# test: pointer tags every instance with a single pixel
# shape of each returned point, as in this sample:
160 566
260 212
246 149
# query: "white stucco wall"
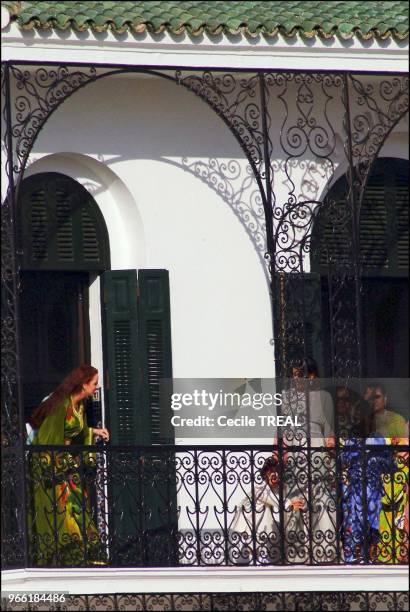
132 136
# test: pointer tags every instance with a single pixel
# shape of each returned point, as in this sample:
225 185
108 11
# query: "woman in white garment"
310 535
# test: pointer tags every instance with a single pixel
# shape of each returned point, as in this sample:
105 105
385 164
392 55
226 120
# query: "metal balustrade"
216 505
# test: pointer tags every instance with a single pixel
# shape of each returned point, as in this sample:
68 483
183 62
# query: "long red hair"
71 385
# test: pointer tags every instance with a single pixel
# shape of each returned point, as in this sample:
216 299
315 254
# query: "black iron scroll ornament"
278 119
13 483
27 102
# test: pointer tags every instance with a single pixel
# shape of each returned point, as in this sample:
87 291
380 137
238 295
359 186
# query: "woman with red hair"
61 524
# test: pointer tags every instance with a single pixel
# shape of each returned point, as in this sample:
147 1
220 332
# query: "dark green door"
142 488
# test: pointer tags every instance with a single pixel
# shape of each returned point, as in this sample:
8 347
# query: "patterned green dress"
394 523
62 531
394 529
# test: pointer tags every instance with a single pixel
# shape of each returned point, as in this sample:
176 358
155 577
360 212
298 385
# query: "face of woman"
379 400
91 386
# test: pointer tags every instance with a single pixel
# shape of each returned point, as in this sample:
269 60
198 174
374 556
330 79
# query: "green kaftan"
61 528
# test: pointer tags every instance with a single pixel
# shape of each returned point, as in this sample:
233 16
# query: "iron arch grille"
368 114
322 259
61 225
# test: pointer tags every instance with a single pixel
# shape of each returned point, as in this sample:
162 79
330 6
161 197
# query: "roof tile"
308 18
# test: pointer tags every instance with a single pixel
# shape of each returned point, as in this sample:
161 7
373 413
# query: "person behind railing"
60 521
393 543
311 472
388 423
266 519
352 413
361 479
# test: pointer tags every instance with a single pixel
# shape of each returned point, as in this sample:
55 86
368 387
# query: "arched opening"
383 257
64 245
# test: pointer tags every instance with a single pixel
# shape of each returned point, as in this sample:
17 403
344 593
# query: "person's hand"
297 504
102 433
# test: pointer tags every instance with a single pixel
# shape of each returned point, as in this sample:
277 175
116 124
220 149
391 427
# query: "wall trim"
228 52
208 579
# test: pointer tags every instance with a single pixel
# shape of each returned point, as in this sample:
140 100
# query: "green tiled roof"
326 19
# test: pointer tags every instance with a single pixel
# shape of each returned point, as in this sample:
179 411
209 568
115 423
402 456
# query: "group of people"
340 491
375 477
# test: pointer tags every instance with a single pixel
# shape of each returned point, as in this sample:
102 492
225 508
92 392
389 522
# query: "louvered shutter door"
159 489
119 290
373 226
138 354
155 342
384 231
402 221
121 356
36 249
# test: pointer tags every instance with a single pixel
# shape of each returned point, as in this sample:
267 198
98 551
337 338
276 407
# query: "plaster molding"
208 579
233 52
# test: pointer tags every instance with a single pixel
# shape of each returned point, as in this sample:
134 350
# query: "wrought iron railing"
216 505
297 126
220 602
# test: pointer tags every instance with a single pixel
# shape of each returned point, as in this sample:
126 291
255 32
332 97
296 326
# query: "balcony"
180 506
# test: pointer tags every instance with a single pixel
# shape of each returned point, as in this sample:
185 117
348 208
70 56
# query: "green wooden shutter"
138 354
122 356
155 343
61 224
159 482
384 232
402 223
375 226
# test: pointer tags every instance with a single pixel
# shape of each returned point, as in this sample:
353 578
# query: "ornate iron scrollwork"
38 95
286 126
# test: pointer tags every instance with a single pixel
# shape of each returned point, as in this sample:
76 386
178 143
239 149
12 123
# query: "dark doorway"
386 327
382 256
54 330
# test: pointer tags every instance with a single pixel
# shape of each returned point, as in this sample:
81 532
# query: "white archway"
117 205
121 216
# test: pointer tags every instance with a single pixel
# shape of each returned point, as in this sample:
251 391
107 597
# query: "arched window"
63 238
384 253
384 218
62 226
